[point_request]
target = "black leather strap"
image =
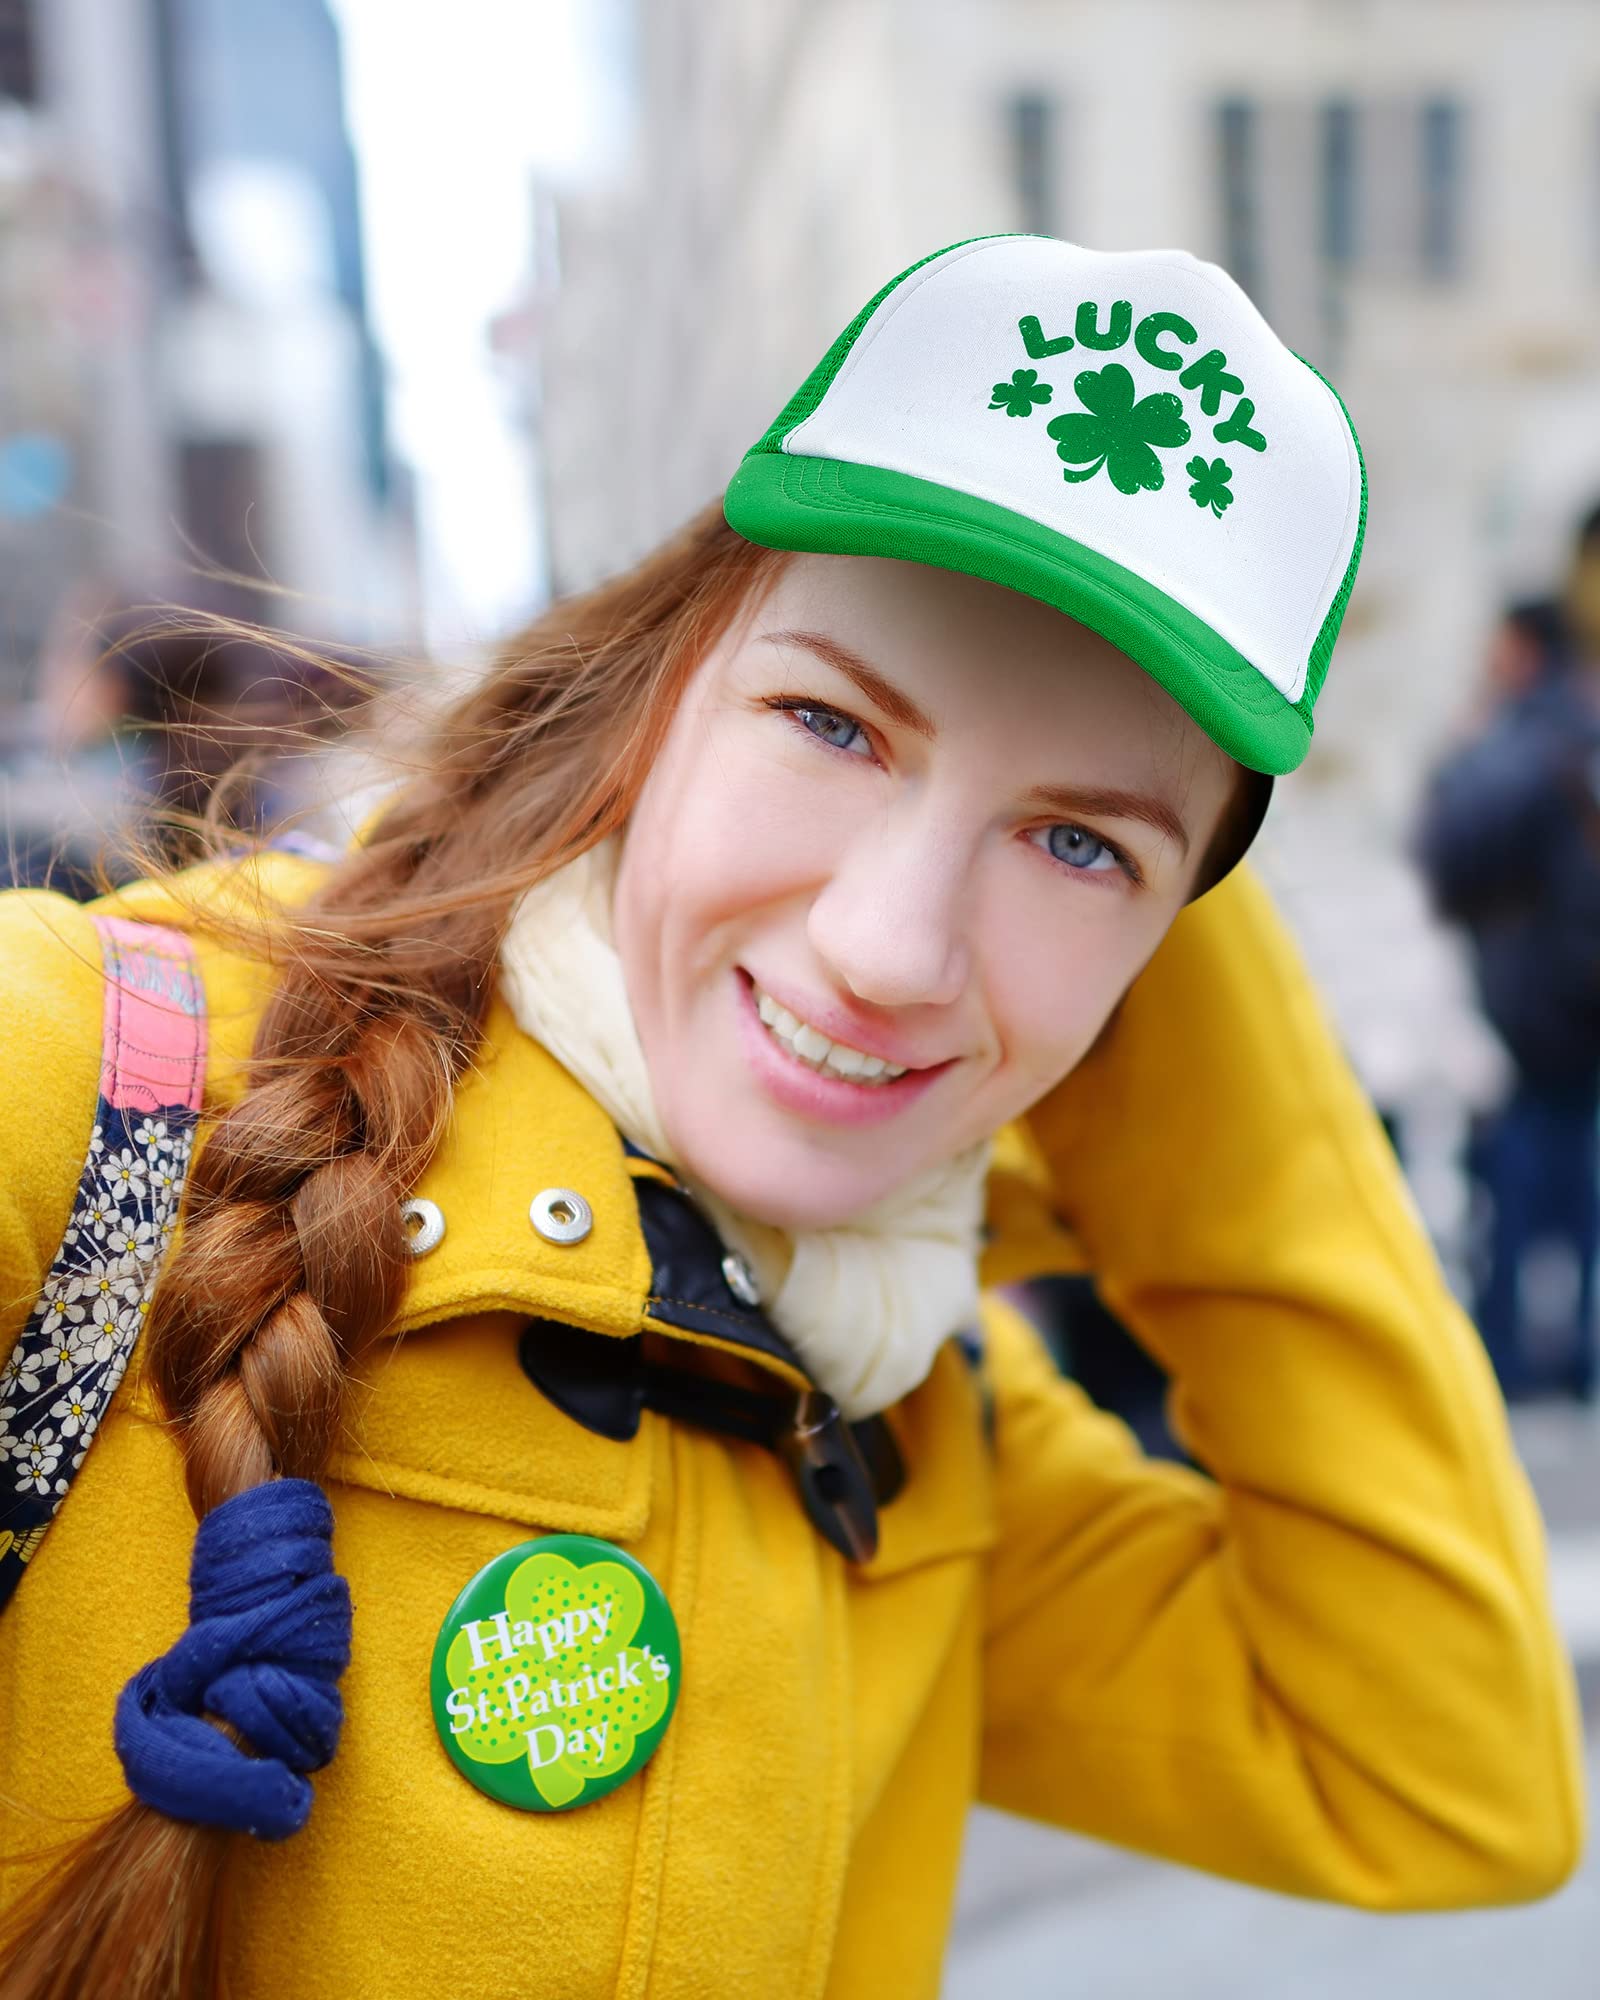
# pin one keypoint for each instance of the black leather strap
(843, 1472)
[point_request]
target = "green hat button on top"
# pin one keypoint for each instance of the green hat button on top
(555, 1673)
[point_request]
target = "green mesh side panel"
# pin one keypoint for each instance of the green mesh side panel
(1322, 650)
(812, 390)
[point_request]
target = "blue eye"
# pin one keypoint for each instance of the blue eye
(1081, 849)
(1074, 846)
(808, 714)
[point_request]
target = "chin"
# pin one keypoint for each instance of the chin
(786, 1196)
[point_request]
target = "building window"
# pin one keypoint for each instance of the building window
(17, 79)
(1441, 179)
(1241, 222)
(220, 481)
(1340, 193)
(1370, 188)
(1032, 121)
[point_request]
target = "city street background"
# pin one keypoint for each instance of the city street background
(377, 325)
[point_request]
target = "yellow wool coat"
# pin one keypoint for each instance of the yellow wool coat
(1333, 1671)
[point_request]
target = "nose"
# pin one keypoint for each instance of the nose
(891, 920)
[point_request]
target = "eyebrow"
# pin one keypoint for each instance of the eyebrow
(1098, 801)
(899, 708)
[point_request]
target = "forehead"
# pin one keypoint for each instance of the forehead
(971, 652)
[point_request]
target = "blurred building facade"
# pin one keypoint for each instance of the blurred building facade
(265, 83)
(188, 379)
(1410, 189)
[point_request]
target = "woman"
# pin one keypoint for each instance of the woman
(783, 928)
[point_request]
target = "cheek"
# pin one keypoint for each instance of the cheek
(719, 837)
(1062, 966)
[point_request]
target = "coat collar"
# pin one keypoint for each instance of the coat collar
(651, 1261)
(523, 1126)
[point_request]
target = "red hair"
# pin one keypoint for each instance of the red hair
(294, 1257)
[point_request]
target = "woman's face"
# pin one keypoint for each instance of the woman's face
(934, 820)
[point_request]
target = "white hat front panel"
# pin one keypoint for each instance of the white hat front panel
(1136, 404)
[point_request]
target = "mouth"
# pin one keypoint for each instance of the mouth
(823, 1080)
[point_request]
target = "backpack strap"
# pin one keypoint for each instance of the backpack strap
(72, 1353)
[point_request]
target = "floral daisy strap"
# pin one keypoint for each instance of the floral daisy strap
(75, 1347)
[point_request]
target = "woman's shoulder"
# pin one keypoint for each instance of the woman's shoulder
(224, 906)
(50, 1008)
(226, 910)
(49, 966)
(52, 1001)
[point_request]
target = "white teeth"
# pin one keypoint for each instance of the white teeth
(814, 1048)
(811, 1045)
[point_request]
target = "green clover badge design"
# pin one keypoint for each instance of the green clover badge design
(1210, 488)
(1018, 396)
(1118, 433)
(563, 1689)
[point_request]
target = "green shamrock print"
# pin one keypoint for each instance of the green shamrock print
(1018, 396)
(1118, 432)
(1210, 488)
(574, 1711)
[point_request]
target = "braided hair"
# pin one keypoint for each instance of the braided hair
(294, 1256)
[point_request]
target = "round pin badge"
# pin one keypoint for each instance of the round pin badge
(555, 1673)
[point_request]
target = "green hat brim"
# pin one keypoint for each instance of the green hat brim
(827, 506)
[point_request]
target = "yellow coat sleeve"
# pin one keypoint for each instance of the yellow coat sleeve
(1331, 1668)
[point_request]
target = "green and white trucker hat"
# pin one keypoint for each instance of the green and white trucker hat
(1119, 434)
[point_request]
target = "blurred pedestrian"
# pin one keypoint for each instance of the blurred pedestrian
(1510, 842)
(142, 711)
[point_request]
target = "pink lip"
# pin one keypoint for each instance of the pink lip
(806, 1091)
(840, 1025)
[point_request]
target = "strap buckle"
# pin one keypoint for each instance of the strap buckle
(842, 1472)
(831, 1475)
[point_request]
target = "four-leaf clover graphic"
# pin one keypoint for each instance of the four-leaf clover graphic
(1210, 488)
(1118, 433)
(1018, 396)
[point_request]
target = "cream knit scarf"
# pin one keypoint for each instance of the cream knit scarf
(866, 1305)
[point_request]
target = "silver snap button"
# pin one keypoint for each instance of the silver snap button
(424, 1226)
(561, 1215)
(741, 1279)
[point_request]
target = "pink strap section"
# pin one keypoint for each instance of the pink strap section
(154, 1052)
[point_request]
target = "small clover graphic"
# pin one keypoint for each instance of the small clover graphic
(1018, 396)
(1210, 488)
(1118, 433)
